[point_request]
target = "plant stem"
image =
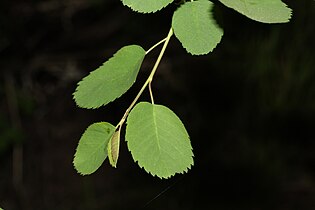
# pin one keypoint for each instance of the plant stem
(151, 93)
(150, 78)
(154, 46)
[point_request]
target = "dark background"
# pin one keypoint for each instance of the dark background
(249, 108)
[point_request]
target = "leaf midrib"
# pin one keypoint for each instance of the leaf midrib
(156, 128)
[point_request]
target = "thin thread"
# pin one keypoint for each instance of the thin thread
(162, 192)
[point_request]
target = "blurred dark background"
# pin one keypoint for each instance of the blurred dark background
(249, 108)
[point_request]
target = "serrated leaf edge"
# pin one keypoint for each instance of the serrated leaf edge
(260, 21)
(139, 11)
(198, 54)
(163, 177)
(78, 84)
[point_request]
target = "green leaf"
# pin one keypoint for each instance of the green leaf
(265, 11)
(111, 80)
(195, 27)
(113, 148)
(146, 6)
(92, 149)
(158, 140)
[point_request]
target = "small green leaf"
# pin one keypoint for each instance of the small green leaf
(111, 80)
(146, 6)
(158, 140)
(195, 27)
(113, 148)
(92, 149)
(265, 11)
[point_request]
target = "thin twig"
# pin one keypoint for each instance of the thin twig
(150, 78)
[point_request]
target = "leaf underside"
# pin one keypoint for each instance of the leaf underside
(111, 80)
(195, 27)
(92, 149)
(158, 140)
(146, 6)
(113, 149)
(265, 11)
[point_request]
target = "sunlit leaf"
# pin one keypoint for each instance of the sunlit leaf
(92, 149)
(158, 140)
(146, 6)
(111, 80)
(265, 11)
(195, 27)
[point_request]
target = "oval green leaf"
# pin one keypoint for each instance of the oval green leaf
(113, 148)
(92, 149)
(195, 27)
(146, 6)
(158, 140)
(265, 11)
(111, 80)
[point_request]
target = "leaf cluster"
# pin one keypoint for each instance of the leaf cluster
(156, 137)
